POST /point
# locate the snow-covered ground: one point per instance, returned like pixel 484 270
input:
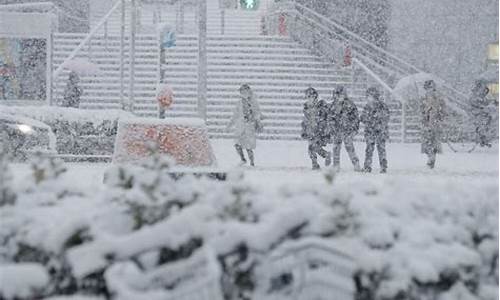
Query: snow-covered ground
pixel 286 162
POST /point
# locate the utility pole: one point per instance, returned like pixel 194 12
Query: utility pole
pixel 132 55
pixel 202 59
pixel 122 55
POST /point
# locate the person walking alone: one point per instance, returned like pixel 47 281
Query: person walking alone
pixel 246 122
pixel 432 110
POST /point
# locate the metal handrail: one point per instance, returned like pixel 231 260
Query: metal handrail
pixel 41 6
pixel 366 50
pixel 89 36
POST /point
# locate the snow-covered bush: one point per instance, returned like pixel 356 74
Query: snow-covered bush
pixel 408 241
pixel 78 131
pixel 429 243
pixel 7 195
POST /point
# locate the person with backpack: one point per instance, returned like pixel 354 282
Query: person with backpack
pixel 72 92
pixel 246 122
pixel 480 112
pixel 314 128
pixel 343 122
pixel 375 117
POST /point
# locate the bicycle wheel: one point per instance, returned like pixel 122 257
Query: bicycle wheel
pixel 462 147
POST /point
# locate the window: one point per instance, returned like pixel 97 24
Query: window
pixel 493 89
pixel 23 69
pixel 493 51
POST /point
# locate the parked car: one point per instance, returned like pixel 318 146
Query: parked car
pixel 21 136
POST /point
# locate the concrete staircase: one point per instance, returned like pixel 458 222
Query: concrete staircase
pixel 278 69
pixel 103 89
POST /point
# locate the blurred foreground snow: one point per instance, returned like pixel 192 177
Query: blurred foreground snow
pixel 412 232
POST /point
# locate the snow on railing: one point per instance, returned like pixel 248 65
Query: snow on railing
pixel 89 36
pixel 37 6
pixel 367 53
pixel 88 40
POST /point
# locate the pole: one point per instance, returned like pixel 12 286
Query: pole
pixel 49 84
pixel 202 59
pixel 222 20
pixel 132 56
pixel 403 122
pixel 122 54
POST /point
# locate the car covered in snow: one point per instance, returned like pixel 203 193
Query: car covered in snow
pixel 21 136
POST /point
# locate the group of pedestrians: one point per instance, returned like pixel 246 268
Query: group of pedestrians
pixel 337 122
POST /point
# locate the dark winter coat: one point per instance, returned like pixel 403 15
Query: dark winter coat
pixel 376 117
pixel 343 118
pixel 480 111
pixel 433 113
pixel 314 123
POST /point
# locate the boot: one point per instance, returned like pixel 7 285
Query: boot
pixel 431 162
pixel 367 169
pixel 239 150
pixel 315 165
pixel 251 157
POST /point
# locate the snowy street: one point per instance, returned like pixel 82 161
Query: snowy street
pixel 286 162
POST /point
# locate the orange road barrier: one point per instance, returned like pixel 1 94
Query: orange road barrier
pixel 185 140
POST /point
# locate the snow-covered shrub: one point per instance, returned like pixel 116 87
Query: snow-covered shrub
pixel 78 131
pixel 149 190
pixel 7 194
pixel 409 241
pixel 428 241
pixel 45 168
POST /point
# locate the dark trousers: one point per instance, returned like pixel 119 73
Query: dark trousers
pixel 348 141
pixel 382 156
pixel 250 153
pixel 315 148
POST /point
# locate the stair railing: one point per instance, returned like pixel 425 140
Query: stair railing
pixel 87 40
pixel 388 66
pixel 326 36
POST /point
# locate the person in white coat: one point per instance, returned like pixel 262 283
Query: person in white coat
pixel 246 122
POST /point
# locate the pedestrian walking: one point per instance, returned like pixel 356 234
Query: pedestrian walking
pixel 375 117
pixel 433 112
pixel 315 127
pixel 246 122
pixel 343 122
pixel 480 112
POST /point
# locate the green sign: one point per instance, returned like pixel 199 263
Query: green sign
pixel 249 4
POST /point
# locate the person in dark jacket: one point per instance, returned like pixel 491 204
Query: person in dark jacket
pixel 314 127
pixel 72 92
pixel 479 109
pixel 375 117
pixel 433 113
pixel 343 122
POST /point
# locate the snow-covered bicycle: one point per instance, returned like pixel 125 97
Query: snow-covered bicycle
pixel 461 135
